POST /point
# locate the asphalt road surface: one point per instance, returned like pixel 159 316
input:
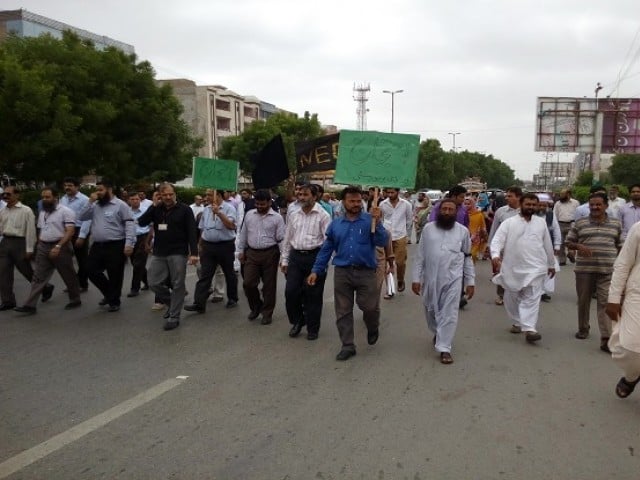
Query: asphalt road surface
pixel 88 394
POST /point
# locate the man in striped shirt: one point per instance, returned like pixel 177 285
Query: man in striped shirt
pixel 597 239
pixel 306 228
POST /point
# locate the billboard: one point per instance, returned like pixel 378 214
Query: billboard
pixel 567 124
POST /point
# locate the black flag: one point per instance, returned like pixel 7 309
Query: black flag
pixel 270 164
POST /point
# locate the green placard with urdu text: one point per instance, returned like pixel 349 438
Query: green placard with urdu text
pixel 215 173
pixel 376 158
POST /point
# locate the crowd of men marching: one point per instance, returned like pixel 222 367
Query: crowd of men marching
pixel 364 236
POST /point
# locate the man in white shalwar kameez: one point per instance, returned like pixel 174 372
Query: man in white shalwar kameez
pixel 516 252
pixel 625 338
pixel 443 259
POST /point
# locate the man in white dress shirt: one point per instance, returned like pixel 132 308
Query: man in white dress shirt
pixel 397 218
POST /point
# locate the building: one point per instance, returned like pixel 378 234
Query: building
pixel 214 112
pixel 26 24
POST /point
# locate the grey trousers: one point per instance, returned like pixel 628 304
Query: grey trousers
pixel 12 254
pixel 173 267
pixel 586 283
pixel 362 282
pixel 45 266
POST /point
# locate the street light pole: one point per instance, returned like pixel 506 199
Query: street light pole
pixel 453 134
pixel 393 94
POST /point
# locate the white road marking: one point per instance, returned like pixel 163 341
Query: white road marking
pixel 26 458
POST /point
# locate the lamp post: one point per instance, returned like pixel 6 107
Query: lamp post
pixel 393 94
pixel 598 139
pixel 453 134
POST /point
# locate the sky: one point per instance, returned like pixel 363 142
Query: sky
pixel 468 66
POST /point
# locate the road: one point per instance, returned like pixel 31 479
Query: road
pixel 88 394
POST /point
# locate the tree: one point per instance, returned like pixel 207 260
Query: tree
pixel 69 109
pixel 257 135
pixel 585 178
pixel 625 168
pixel 440 169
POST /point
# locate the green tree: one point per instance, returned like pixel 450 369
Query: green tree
pixel 625 168
pixel 585 178
pixel 68 108
pixel 257 135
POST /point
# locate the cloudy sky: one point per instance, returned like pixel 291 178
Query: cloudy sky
pixel 474 67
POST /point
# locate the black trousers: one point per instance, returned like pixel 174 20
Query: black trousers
pixel 211 255
pixel 81 255
pixel 139 263
pixel 303 302
pixel 107 256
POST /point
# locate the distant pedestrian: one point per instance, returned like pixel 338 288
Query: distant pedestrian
pixel 397 219
pixel 76 201
pixel 303 238
pixel 543 211
pixel 197 207
pixel 355 264
pixel 597 238
pixel 625 336
pixel 259 251
pixel 56 226
pixel 139 255
pixel 18 233
pixel 630 212
pixel 114 236
pixel 175 244
pixel 442 267
pixel 512 198
pixel 522 254
pixel 565 213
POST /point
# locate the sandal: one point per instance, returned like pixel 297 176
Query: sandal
pixel 446 358
pixel 499 301
pixel 625 388
pixel 388 297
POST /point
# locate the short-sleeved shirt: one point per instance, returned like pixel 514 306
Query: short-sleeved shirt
pixel 52 225
pixel 604 240
pixel 212 227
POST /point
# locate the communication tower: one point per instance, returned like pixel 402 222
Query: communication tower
pixel 360 96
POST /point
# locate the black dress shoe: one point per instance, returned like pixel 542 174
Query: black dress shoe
pixel 7 306
pixel 194 308
pixel 372 337
pixel 253 315
pixel 113 308
pixel 145 288
pixel 266 320
pixel 216 299
pixel 345 355
pixel 25 309
pixel 72 305
pixel 47 292
pixel 166 315
pixel 231 304
pixel 295 330
pixel 103 302
pixel 312 336
pixel 133 293
pixel 171 324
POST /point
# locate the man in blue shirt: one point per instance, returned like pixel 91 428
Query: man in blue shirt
pixel 355 261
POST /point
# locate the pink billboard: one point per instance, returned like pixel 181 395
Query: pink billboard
pixel 621 125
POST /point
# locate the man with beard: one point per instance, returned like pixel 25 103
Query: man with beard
pixel 597 240
pixel 76 201
pixel 56 224
pixel 303 238
pixel 18 234
pixel 259 247
pixel 114 236
pixel 175 237
pixel 630 213
pixel 442 260
pixel 523 265
pixel 565 212
pixel 355 273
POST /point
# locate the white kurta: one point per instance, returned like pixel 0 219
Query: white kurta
pixel 625 281
pixel 442 260
pixel 524 266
